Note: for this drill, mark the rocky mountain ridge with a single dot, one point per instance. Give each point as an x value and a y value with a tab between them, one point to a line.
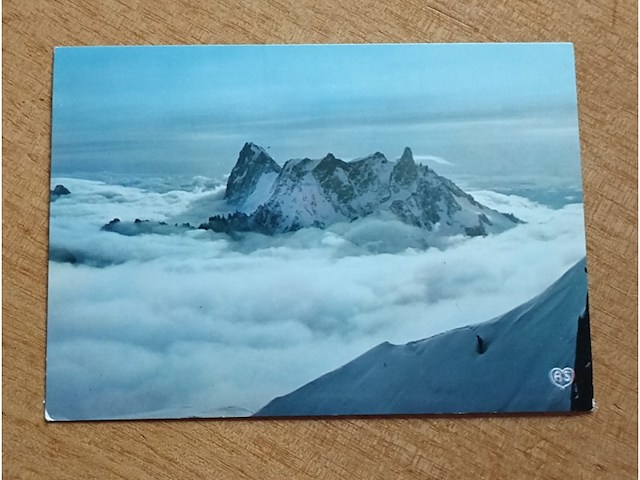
308	192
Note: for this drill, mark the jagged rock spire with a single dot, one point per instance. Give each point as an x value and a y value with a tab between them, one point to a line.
405	171
407	155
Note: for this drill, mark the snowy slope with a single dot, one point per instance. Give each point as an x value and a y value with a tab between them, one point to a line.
447	374
251	179
319	193
322	192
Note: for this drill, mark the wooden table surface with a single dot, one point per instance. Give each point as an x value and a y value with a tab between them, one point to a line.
598	445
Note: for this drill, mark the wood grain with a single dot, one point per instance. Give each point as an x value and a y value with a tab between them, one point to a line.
598	445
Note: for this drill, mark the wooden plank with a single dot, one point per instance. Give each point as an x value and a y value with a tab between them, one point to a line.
599	445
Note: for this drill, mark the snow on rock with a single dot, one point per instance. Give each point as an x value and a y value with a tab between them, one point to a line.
501	365
251	178
261	192
318	193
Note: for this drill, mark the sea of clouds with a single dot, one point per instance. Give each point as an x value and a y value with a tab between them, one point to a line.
197	323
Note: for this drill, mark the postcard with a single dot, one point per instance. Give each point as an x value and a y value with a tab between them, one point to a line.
316	230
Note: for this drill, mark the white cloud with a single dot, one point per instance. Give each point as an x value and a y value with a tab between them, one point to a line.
432	158
193	324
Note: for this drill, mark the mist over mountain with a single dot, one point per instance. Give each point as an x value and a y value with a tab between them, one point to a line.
236	321
305	192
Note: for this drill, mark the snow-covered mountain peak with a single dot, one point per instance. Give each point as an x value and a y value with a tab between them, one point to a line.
372	160
328	165
307	192
254	148
254	168
252	152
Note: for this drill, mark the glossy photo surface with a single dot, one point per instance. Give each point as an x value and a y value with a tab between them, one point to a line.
312	230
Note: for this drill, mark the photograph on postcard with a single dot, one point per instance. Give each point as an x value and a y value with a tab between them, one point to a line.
309	230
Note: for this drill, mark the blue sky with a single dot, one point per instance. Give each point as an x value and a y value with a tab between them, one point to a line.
487	109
